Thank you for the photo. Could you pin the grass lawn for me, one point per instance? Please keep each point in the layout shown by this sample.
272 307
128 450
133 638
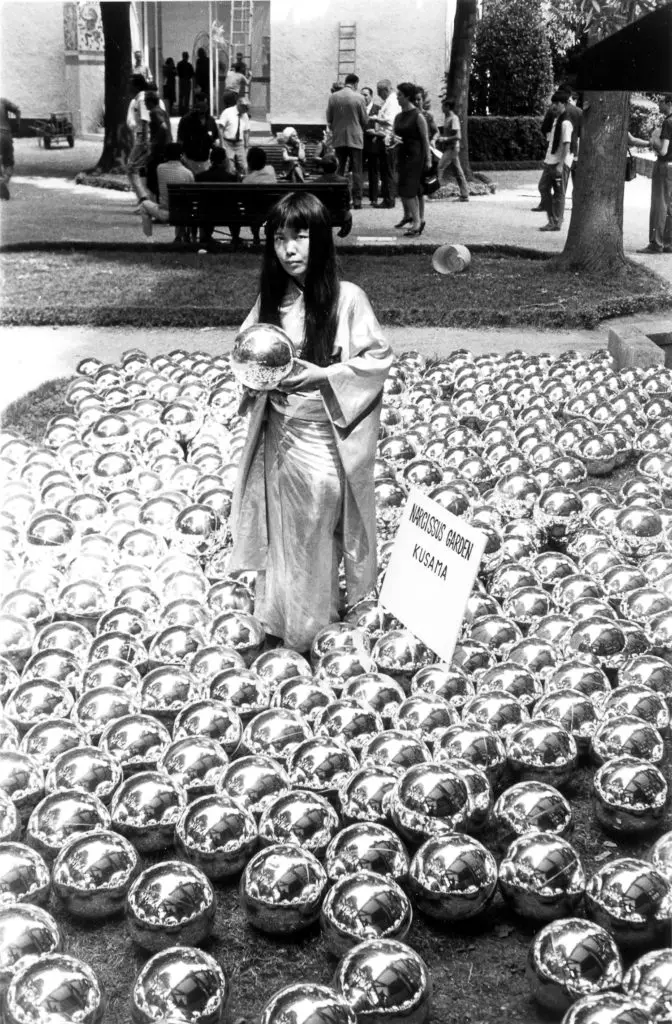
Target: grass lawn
478 968
501 288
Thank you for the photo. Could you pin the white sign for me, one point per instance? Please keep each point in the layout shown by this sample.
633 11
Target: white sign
431 572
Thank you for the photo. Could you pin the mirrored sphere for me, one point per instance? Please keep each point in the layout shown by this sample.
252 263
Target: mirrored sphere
282 888
452 877
168 903
385 982
21 779
145 808
606 1008
361 906
24 875
366 846
541 877
10 823
92 873
212 719
180 984
253 782
195 763
571 958
365 795
25 931
427 800
307 1003
54 987
300 817
660 855
321 764
62 814
543 751
631 899
649 982
630 795
531 807
136 741
85 769
216 835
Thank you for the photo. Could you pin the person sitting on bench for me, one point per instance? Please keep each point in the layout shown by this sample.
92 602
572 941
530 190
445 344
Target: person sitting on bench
330 174
259 172
220 169
171 172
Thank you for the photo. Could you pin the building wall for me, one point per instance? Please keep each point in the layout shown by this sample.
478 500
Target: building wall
404 40
32 69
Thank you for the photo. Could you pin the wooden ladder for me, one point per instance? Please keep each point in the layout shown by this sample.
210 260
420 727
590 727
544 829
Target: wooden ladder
240 32
347 37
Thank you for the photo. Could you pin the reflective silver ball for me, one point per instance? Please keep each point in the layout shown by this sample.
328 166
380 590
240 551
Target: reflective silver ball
429 800
93 872
300 817
216 835
543 751
571 958
631 899
366 846
385 982
606 1008
262 356
25 931
212 719
170 902
54 987
87 770
51 737
21 779
10 823
307 1003
630 795
243 690
145 808
282 888
363 906
531 807
24 875
395 749
452 877
478 744
349 722
62 814
541 877
180 984
253 782
649 983
365 795
321 764
195 763
660 855
276 733
135 741
627 735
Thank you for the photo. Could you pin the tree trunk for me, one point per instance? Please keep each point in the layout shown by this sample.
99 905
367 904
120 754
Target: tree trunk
117 30
595 237
459 70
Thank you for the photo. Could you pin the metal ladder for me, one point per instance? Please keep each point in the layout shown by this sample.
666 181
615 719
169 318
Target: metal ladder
240 32
347 38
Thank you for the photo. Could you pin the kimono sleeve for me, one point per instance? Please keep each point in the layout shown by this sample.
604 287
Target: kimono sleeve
247 400
354 385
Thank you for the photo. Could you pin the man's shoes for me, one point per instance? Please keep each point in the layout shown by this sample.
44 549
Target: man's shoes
652 250
4 191
538 209
384 204
550 227
667 249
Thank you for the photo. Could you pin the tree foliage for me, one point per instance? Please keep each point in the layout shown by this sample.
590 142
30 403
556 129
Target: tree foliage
512 71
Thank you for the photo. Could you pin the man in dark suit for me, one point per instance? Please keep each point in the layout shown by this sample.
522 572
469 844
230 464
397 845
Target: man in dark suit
347 119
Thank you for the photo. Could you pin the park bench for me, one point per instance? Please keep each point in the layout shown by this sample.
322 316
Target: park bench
273 153
233 204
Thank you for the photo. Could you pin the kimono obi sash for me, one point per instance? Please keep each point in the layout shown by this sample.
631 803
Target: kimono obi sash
302 405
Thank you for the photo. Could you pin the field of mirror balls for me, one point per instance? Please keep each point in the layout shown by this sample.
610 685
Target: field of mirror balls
192 820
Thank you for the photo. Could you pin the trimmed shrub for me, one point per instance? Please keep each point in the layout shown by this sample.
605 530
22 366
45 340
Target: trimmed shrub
505 139
512 71
644 116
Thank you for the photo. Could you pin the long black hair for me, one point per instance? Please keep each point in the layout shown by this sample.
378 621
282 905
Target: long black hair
302 211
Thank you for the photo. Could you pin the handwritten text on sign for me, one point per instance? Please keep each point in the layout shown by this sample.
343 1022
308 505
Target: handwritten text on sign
431 572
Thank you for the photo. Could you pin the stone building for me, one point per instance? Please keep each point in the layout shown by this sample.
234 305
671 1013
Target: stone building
52 53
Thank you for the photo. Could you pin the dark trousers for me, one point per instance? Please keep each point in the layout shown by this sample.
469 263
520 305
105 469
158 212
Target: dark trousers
388 172
660 217
553 188
353 157
184 87
371 165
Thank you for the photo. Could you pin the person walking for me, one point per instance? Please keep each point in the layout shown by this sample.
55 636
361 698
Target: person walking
370 151
304 495
450 158
387 162
138 119
347 120
169 89
185 74
7 144
413 160
198 133
202 72
557 164
234 129
660 216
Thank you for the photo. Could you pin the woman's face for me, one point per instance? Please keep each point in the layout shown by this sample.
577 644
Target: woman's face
401 99
292 249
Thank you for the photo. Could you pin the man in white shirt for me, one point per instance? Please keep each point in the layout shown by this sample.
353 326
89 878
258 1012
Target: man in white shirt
137 119
234 130
386 156
557 164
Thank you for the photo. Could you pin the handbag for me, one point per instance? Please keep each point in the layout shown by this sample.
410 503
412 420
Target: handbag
630 167
430 181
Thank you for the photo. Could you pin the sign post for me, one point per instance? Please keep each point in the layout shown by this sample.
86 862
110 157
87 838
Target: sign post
431 572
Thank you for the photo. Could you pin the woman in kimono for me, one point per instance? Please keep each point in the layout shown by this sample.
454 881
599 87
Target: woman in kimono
304 497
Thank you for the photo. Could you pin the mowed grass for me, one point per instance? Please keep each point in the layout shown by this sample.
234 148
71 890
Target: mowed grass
162 288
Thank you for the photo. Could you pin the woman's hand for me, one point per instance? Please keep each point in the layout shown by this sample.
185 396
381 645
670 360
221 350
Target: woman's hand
304 377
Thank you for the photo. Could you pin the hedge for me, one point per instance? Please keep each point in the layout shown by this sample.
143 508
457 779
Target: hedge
505 139
644 116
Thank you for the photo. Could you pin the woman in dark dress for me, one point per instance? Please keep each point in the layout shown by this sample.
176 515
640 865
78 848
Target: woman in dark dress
413 158
169 76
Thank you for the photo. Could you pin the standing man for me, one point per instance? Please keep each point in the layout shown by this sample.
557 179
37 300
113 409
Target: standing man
138 120
234 128
185 73
452 133
557 164
660 217
139 66
197 132
386 155
347 119
7 144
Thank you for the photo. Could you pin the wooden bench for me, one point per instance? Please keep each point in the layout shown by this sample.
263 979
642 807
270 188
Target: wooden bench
274 158
232 204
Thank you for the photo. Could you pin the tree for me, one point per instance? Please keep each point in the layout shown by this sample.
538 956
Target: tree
117 30
595 237
512 71
459 71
